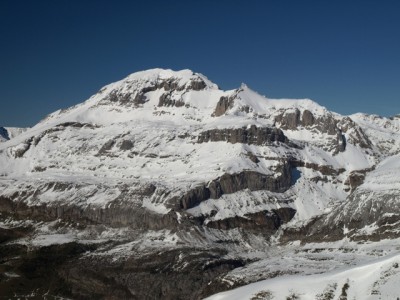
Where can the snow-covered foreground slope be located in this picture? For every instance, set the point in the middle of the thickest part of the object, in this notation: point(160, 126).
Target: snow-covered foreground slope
point(164, 171)
point(377, 279)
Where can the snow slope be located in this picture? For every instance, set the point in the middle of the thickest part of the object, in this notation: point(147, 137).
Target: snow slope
point(373, 280)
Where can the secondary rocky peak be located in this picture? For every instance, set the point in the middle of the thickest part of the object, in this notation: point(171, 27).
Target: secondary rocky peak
point(224, 104)
point(7, 133)
point(3, 134)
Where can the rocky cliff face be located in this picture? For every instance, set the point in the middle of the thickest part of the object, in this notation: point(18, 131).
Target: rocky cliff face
point(250, 136)
point(163, 179)
point(231, 183)
point(4, 134)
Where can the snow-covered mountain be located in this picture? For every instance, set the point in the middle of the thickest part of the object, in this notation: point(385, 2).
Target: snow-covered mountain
point(166, 162)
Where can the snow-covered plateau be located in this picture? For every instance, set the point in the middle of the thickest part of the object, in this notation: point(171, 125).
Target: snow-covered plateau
point(163, 186)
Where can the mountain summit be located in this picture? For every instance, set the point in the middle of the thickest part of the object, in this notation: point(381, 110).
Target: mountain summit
point(163, 178)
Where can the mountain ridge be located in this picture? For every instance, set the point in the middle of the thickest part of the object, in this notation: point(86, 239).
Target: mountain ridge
point(222, 177)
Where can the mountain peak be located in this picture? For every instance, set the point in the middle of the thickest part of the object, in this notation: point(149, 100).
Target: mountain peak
point(182, 97)
point(181, 77)
point(132, 89)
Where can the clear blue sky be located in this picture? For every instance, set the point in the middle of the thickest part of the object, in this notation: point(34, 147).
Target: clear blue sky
point(343, 54)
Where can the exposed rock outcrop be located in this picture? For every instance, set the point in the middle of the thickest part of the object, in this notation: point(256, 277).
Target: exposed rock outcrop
point(356, 178)
point(324, 124)
point(121, 211)
point(356, 135)
point(106, 147)
point(324, 169)
point(338, 128)
point(166, 100)
point(126, 145)
point(115, 214)
point(4, 136)
point(135, 98)
point(231, 183)
point(224, 103)
point(252, 135)
point(293, 120)
point(135, 94)
point(21, 149)
point(266, 222)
